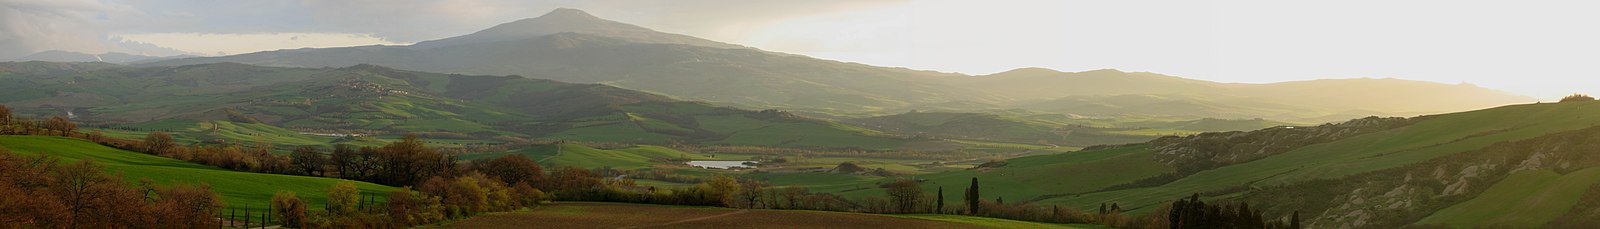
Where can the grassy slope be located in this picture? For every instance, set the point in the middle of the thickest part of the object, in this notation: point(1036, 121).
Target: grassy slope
point(237, 188)
point(1075, 172)
point(585, 157)
point(1435, 137)
point(803, 134)
point(1528, 198)
point(620, 215)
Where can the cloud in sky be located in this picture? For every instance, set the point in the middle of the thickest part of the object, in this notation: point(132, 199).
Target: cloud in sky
point(1537, 48)
point(240, 43)
point(27, 27)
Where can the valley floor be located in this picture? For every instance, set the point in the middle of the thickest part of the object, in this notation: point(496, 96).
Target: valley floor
point(618, 215)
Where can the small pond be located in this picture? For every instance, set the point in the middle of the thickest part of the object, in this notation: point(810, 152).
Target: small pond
point(723, 164)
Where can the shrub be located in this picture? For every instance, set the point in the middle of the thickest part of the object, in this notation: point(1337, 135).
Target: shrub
point(410, 207)
point(289, 207)
point(1577, 98)
point(343, 198)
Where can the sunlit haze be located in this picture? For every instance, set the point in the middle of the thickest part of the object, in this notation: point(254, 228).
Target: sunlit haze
point(1539, 48)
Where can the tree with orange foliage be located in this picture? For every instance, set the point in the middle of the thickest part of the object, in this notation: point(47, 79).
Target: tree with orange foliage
point(290, 210)
point(514, 169)
point(5, 116)
point(158, 143)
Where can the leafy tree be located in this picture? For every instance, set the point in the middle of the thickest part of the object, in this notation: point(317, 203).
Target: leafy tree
point(723, 188)
point(83, 187)
point(343, 198)
point(5, 115)
point(409, 161)
point(290, 210)
point(344, 161)
point(414, 208)
point(308, 160)
point(184, 206)
point(158, 143)
point(514, 169)
point(904, 194)
point(750, 192)
point(527, 195)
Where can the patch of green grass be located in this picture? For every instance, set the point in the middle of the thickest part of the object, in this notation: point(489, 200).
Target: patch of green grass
point(810, 134)
point(728, 123)
point(615, 132)
point(1528, 198)
point(642, 156)
point(538, 152)
point(236, 188)
point(1432, 138)
point(1063, 173)
point(820, 182)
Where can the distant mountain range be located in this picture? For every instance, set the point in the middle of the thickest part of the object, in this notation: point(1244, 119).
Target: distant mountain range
point(110, 57)
point(573, 46)
point(238, 102)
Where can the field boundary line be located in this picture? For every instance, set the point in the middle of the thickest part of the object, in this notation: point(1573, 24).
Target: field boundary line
point(741, 211)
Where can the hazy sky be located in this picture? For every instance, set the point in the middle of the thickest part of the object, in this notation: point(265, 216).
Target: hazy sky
point(1537, 48)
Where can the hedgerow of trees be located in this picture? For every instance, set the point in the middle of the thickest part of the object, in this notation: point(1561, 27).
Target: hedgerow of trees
point(39, 191)
point(436, 188)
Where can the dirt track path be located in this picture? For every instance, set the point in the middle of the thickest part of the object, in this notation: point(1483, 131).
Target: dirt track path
point(741, 211)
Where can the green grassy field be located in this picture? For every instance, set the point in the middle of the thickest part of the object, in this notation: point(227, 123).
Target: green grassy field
point(1063, 173)
point(810, 135)
point(1432, 138)
point(642, 156)
point(1528, 198)
point(236, 188)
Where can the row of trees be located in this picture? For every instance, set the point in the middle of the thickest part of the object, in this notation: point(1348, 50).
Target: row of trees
point(40, 192)
point(36, 192)
point(1194, 213)
point(437, 188)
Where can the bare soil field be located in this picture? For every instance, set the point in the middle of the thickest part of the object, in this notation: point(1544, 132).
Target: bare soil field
point(617, 215)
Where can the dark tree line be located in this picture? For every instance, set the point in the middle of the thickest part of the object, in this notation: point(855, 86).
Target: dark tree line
point(1194, 213)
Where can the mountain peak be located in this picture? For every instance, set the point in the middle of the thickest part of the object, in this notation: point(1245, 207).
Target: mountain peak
point(568, 20)
point(569, 13)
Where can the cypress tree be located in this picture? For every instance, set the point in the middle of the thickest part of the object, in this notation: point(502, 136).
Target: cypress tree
point(1174, 215)
point(1294, 220)
point(1102, 208)
point(939, 208)
point(1055, 212)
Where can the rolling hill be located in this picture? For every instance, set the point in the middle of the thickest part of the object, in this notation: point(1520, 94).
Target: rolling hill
point(1365, 173)
point(573, 46)
point(110, 57)
point(1046, 129)
point(236, 188)
point(303, 106)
